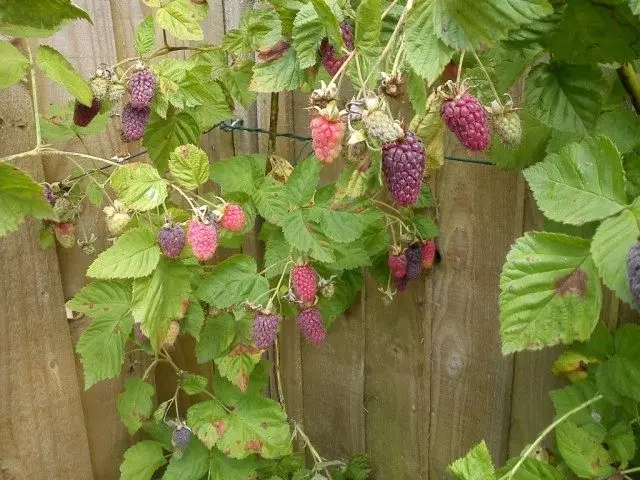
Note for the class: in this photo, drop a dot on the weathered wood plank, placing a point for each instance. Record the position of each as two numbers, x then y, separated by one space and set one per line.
470 379
41 418
87 46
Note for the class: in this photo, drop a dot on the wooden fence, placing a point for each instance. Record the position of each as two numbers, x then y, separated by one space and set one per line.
414 384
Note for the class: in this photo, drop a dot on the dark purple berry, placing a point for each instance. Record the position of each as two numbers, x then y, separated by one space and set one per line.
633 272
49 195
414 261
172 239
134 121
265 330
142 88
181 437
83 115
310 323
330 59
403 167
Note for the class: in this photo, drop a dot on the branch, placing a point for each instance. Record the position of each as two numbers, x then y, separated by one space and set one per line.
34 94
629 78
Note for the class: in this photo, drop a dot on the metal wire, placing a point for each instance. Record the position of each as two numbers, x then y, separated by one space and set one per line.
237 125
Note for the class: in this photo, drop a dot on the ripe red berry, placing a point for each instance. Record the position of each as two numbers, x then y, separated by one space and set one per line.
398 265
310 323
83 115
330 59
142 88
403 163
172 240
264 330
429 250
203 238
305 282
327 138
233 218
134 122
467 118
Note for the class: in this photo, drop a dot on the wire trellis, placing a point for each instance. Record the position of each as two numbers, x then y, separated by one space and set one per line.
237 125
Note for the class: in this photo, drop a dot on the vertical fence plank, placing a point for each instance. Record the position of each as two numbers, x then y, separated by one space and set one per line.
470 379
41 418
86 46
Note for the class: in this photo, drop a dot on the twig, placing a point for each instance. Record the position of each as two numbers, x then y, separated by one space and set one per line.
273 123
34 94
278 375
546 432
486 74
629 78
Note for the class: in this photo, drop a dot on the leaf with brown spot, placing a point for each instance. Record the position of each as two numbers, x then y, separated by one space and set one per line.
238 364
208 421
550 292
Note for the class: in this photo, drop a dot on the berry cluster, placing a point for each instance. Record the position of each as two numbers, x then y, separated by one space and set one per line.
135 116
409 264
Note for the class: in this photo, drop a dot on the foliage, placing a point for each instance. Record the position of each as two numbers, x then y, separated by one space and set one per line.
579 147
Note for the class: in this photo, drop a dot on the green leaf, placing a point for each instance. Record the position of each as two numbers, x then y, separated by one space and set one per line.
57 68
565 97
417 93
368 25
193 384
307 30
162 136
231 282
258 29
531 469
475 465
340 226
94 193
20 196
145 35
283 74
237 365
299 236
303 181
535 136
193 464
102 299
237 79
568 398
135 254
426 227
610 247
468 24
550 292
193 319
134 403
239 174
189 165
632 170
14 65
621 373
257 425
139 186
582 451
157 299
180 18
425 52
271 201
208 422
101 347
622 126
222 467
584 35
142 460
216 337
330 20
39 18
621 442
583 183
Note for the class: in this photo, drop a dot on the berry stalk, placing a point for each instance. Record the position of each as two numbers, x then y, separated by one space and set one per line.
486 74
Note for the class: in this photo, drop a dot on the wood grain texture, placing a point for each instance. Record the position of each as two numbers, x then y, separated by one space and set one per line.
87 46
41 418
397 360
532 377
470 379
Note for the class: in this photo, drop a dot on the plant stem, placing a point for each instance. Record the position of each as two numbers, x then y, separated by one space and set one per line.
34 94
273 123
389 8
343 67
276 365
186 197
631 470
629 78
546 432
460 67
486 74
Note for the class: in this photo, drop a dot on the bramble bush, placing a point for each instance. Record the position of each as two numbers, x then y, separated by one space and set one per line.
573 131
